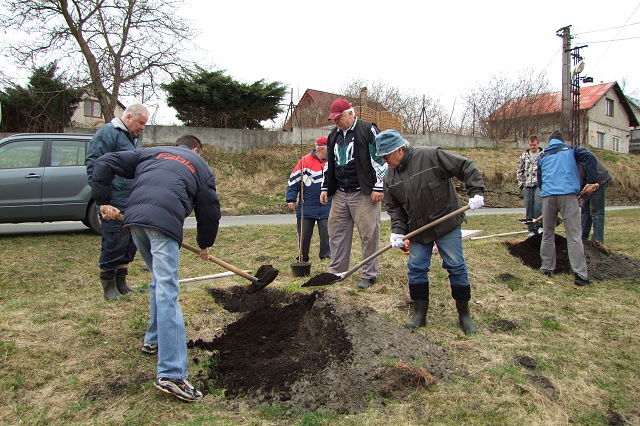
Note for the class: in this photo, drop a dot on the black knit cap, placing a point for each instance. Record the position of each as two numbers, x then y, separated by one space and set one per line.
557 134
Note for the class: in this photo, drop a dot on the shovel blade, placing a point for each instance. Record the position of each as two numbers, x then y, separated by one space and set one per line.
324 278
265 275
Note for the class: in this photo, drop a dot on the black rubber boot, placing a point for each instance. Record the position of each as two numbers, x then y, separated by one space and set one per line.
108 279
464 318
419 319
419 293
121 281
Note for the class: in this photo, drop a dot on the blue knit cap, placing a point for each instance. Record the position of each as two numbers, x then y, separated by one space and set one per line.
389 141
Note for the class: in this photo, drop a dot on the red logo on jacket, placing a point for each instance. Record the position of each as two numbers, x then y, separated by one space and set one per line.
167 156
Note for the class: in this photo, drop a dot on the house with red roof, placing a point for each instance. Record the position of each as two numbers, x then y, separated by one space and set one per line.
314 105
607 117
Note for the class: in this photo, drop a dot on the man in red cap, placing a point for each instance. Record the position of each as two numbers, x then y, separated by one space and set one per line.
354 176
304 184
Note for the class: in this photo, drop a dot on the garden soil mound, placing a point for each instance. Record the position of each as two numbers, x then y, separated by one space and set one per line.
602 264
312 350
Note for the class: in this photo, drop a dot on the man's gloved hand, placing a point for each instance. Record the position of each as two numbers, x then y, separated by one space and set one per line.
396 240
476 202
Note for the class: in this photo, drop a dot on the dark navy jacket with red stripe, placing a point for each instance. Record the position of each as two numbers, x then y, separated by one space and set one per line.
170 183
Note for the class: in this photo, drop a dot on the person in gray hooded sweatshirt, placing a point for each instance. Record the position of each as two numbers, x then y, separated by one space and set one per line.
559 182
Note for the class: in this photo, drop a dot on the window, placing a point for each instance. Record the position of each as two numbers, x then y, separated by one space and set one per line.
600 140
609 111
68 153
92 109
616 144
17 155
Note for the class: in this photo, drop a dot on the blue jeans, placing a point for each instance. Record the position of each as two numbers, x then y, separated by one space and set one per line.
118 247
533 206
166 324
450 248
593 213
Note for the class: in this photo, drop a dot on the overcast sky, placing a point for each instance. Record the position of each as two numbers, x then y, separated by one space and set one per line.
436 48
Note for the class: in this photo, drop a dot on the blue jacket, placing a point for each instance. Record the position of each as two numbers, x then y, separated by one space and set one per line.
558 169
170 182
310 168
112 137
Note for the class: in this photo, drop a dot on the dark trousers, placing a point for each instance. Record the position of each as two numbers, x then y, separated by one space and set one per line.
118 247
307 233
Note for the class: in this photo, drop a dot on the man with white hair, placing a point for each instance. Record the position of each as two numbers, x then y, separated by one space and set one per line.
353 175
118 248
418 190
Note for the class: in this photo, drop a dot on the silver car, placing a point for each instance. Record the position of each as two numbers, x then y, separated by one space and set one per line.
43 179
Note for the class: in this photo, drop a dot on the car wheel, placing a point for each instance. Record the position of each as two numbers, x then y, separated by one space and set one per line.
92 220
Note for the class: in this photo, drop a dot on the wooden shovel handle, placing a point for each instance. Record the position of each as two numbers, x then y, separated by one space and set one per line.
222 263
214 260
406 237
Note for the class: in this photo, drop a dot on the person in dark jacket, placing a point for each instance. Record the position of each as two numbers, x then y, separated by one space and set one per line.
418 190
170 183
353 176
559 188
593 204
304 184
118 248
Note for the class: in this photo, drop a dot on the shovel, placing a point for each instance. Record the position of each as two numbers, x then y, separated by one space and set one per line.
327 278
532 221
265 275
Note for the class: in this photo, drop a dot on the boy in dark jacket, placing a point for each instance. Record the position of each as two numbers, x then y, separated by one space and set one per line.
169 183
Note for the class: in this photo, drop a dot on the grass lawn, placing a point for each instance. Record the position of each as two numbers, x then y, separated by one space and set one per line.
67 356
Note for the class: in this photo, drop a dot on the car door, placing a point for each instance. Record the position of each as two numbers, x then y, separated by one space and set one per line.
65 191
21 177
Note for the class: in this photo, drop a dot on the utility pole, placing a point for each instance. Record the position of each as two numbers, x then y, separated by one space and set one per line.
565 33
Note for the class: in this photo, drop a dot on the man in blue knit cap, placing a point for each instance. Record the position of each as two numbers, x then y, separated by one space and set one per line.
559 182
418 189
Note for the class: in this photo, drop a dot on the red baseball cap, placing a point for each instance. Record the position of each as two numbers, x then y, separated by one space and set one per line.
338 107
321 141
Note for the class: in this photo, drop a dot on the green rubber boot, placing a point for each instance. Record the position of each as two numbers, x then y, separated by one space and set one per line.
108 279
419 318
121 281
464 318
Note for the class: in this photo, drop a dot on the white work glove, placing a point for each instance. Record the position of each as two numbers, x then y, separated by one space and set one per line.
396 241
476 202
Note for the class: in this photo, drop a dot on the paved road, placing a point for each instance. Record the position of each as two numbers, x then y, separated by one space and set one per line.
274 219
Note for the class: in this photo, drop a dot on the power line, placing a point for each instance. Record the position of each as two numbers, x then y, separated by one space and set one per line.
607 29
611 42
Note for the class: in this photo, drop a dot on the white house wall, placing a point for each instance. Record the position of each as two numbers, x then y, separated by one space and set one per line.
618 125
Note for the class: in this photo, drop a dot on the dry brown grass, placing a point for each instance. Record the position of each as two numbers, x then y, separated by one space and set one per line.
256 182
69 357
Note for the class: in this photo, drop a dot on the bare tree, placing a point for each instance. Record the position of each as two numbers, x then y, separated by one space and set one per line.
118 42
419 113
507 107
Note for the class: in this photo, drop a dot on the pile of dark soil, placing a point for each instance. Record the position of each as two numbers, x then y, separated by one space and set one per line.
602 264
311 350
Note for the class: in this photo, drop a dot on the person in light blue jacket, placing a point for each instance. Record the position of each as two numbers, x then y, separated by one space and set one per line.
559 183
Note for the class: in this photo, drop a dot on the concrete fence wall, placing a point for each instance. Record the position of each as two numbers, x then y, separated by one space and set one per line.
238 140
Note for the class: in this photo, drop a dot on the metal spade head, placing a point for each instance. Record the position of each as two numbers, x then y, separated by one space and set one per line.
324 278
265 275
